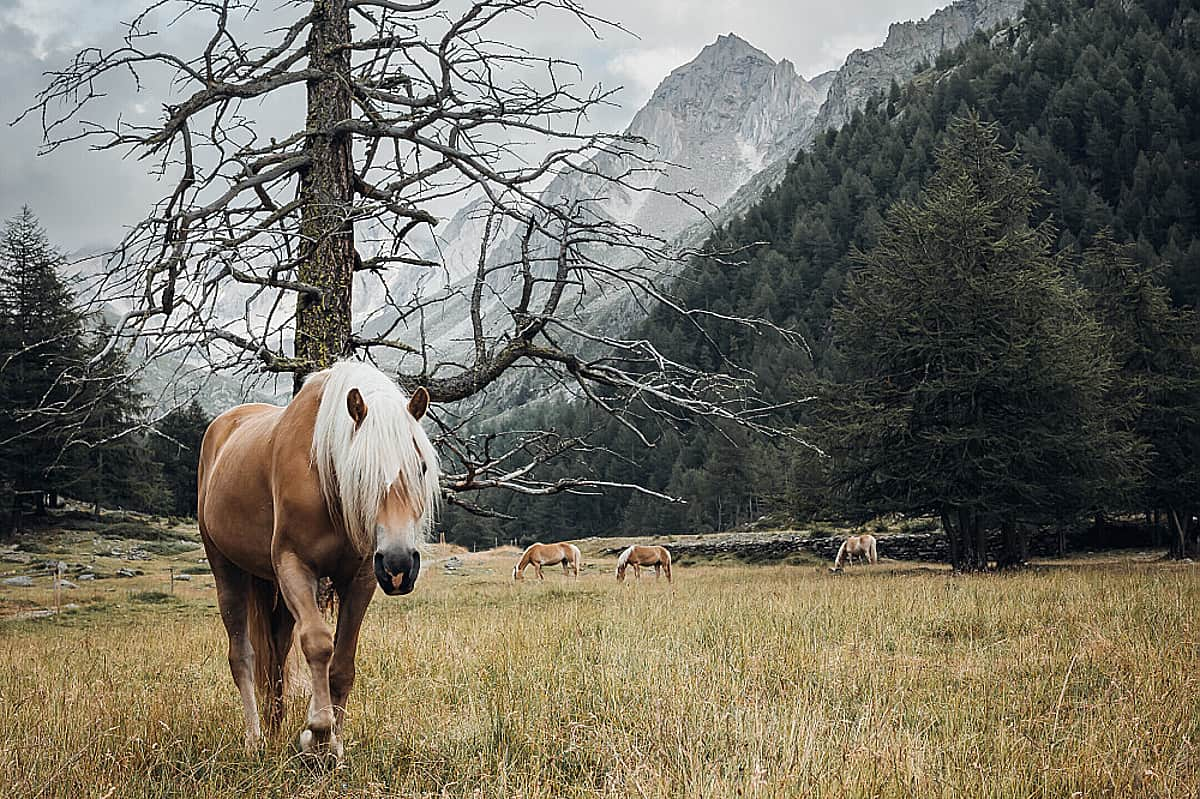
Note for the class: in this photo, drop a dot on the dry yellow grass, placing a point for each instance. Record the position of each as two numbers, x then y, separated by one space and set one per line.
737 681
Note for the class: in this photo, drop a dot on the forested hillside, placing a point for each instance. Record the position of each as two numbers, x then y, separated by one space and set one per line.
1101 100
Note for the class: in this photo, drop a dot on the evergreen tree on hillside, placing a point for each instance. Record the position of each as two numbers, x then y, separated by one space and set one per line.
41 346
1157 348
69 417
979 384
177 449
110 460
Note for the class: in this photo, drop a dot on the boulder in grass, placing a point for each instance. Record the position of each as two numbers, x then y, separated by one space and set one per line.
20 581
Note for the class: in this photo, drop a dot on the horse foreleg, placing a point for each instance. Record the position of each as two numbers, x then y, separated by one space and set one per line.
233 597
538 567
298 584
566 564
353 600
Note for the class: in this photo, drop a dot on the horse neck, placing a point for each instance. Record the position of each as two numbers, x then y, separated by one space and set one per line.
841 553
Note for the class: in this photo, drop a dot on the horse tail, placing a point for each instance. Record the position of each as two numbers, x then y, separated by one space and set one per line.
666 559
874 553
837 562
264 613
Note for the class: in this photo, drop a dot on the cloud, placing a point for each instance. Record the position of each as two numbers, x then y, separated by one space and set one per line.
641 70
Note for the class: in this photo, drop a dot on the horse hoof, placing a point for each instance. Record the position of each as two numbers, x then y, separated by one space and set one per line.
326 753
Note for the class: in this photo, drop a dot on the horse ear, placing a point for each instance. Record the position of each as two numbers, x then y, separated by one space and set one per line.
356 406
419 402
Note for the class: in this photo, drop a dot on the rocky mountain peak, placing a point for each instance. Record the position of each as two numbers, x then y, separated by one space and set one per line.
869 72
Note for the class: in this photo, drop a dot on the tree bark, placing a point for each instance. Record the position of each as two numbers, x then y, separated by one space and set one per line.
952 537
1180 520
1013 553
323 324
9 519
968 543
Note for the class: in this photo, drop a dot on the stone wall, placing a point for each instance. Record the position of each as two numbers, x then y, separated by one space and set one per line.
923 546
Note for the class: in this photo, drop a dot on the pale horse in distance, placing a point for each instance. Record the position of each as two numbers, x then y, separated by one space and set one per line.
861 545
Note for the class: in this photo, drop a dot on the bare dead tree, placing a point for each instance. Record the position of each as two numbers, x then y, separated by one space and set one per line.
272 230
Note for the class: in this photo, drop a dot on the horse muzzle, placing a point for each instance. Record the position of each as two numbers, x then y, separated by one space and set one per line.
397 572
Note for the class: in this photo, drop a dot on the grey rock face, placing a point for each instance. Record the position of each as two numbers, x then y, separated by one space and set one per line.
869 72
722 118
711 125
717 121
20 581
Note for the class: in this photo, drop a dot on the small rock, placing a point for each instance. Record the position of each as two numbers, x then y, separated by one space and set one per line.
184 577
128 572
66 584
20 581
83 578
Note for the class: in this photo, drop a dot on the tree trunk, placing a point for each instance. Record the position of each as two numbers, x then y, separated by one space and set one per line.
8 521
952 538
1013 554
968 548
15 513
327 233
1180 520
981 543
1061 529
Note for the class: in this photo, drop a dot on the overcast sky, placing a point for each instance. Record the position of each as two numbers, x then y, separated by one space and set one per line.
85 199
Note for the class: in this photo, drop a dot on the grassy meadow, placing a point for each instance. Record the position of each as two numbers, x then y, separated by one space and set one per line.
1068 680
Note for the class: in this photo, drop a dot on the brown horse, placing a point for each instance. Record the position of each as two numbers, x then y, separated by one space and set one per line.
540 555
638 556
861 545
342 483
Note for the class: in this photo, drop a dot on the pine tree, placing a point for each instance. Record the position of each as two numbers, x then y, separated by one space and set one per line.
978 379
41 347
177 449
110 459
1157 347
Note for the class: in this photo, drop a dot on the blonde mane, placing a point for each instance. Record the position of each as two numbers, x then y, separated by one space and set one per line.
624 556
389 449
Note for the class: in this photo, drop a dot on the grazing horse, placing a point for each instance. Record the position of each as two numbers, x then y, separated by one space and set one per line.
540 555
861 545
638 556
342 483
